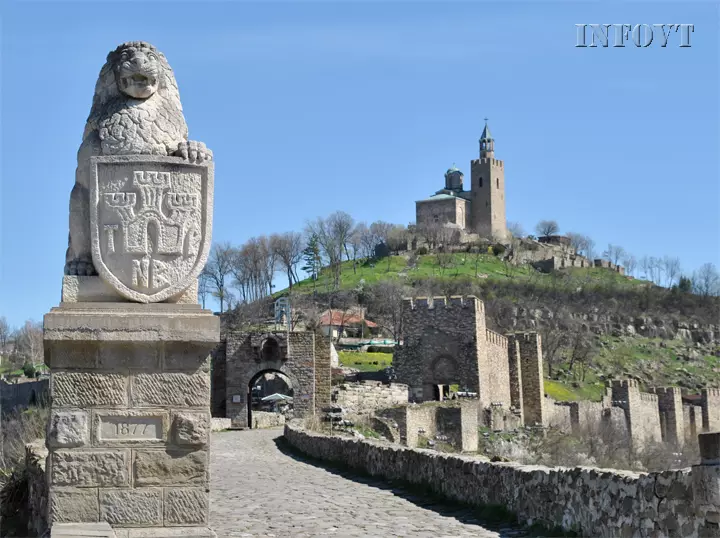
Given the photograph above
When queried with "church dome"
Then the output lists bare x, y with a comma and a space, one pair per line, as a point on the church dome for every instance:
453, 179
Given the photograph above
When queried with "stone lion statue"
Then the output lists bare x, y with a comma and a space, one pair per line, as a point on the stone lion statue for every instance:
136, 110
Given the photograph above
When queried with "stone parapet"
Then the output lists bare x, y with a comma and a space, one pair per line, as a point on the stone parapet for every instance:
129, 428
681, 503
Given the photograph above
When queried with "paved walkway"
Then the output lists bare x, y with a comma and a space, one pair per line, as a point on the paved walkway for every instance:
259, 490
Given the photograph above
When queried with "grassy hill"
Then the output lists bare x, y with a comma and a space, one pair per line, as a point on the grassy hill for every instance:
593, 305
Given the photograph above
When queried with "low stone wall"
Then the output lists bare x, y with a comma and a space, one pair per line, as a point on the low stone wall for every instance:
219, 424
35, 455
592, 502
366, 397
263, 419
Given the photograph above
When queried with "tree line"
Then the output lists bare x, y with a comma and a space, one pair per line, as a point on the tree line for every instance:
245, 273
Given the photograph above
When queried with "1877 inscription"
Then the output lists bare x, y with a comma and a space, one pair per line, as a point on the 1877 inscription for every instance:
131, 428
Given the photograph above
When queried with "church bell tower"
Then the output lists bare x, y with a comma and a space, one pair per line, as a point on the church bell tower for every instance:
487, 186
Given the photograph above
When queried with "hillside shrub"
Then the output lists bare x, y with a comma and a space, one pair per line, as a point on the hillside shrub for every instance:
421, 251
498, 249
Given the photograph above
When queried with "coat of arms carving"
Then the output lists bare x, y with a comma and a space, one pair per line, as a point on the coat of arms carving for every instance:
151, 221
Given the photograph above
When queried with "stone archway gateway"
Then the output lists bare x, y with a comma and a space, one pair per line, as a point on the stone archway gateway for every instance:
289, 390
302, 357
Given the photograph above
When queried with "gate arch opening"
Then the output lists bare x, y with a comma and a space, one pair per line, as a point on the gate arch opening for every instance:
270, 390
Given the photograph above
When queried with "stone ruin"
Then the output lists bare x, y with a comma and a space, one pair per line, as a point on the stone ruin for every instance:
128, 347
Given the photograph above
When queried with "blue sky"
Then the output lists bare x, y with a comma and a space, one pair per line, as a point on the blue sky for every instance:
319, 106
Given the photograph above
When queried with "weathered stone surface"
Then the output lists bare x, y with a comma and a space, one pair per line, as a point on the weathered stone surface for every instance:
130, 427
128, 192
131, 507
86, 389
82, 530
186, 356
166, 532
93, 289
186, 506
710, 448
592, 502
74, 505
68, 429
171, 390
130, 322
170, 468
123, 355
71, 355
136, 111
192, 428
90, 468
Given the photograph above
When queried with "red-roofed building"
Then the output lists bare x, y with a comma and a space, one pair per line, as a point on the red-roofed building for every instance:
347, 324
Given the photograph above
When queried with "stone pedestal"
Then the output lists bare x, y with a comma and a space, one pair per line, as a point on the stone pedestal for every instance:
129, 429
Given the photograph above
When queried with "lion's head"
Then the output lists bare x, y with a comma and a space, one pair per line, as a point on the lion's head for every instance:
134, 71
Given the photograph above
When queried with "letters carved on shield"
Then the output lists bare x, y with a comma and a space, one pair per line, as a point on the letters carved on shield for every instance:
150, 223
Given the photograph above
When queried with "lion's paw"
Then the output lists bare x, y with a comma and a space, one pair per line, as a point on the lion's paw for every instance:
194, 152
80, 268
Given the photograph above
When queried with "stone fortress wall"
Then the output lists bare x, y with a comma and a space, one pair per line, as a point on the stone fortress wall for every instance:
304, 357
22, 395
446, 341
683, 503
365, 397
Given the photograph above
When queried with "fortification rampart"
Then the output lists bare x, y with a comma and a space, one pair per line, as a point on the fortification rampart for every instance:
710, 402
14, 396
365, 397
684, 503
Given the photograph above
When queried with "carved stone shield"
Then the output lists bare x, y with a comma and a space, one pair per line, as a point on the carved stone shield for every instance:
150, 223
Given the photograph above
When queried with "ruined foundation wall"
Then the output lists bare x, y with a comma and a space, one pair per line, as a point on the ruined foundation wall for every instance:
366, 397
558, 415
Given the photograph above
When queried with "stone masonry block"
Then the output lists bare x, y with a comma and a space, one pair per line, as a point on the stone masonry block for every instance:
74, 505
72, 355
170, 468
171, 390
187, 356
84, 389
141, 507
186, 506
130, 427
191, 428
90, 468
122, 355
67, 429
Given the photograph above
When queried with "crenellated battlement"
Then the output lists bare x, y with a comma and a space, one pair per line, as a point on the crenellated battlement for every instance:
666, 391
470, 303
496, 338
712, 393
648, 397
629, 384
486, 160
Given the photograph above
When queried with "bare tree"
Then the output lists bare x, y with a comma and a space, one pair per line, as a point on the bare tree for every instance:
341, 225
217, 269
4, 332
288, 249
672, 270
706, 280
30, 342
397, 238
614, 253
332, 236
203, 288
367, 239
385, 301
547, 227
431, 232
380, 231
582, 244
630, 264
516, 229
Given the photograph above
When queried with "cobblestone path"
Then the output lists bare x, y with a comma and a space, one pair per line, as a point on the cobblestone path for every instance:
260, 490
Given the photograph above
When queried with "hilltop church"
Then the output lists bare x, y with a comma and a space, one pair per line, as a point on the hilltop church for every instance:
480, 210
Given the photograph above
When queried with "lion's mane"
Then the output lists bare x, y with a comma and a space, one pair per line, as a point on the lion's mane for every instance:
131, 126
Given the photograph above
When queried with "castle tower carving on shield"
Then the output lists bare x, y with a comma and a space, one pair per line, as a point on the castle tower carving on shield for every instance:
481, 209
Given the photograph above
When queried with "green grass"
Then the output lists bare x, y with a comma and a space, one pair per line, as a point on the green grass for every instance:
457, 265
365, 362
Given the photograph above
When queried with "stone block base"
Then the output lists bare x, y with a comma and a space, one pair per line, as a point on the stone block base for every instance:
82, 530
93, 289
129, 427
